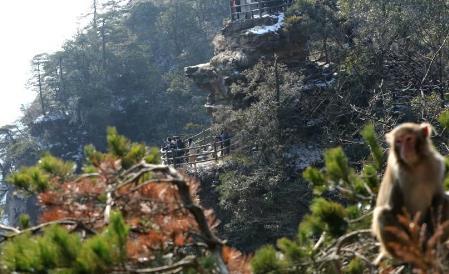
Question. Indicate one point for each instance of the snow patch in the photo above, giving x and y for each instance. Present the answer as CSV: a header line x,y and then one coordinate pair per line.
x,y
266,29
302,156
256,16
50,117
319,84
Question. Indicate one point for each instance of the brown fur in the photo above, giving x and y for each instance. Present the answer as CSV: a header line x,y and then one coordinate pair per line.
x,y
413,181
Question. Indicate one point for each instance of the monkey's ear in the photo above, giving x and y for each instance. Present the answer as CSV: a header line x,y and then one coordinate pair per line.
x,y
389,137
426,129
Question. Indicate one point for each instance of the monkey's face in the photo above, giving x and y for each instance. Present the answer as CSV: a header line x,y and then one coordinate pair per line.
x,y
409,142
405,146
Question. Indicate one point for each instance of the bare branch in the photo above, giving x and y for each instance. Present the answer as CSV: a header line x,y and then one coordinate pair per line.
x,y
9,228
34,229
174,268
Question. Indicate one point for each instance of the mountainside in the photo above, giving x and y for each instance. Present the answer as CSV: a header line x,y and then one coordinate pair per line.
x,y
287,102
291,85
124,69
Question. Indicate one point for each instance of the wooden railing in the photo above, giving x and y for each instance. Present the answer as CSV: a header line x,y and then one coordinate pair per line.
x,y
196,154
250,9
202,138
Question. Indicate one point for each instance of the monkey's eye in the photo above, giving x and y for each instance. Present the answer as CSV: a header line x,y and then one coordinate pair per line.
x,y
408,139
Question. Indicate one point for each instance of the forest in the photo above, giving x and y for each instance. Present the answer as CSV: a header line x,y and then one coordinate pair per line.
x,y
119,164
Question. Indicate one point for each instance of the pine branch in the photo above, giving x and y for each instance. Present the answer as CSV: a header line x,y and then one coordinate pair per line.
x,y
37,228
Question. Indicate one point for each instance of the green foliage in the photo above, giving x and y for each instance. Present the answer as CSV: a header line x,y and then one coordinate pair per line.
x,y
118,145
67,244
93,156
292,251
337,166
331,214
118,233
20,254
337,171
99,253
356,266
310,228
316,177
58,250
443,119
329,219
266,261
56,167
17,148
371,176
252,197
431,104
130,153
127,72
353,211
136,83
358,186
338,174
135,153
255,184
38,178
53,249
24,221
369,135
153,156
95,256
30,179
318,21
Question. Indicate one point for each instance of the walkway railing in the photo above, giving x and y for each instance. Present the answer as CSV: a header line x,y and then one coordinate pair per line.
x,y
202,138
250,9
209,152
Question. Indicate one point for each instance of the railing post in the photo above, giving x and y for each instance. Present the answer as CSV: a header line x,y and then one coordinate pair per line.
x,y
251,10
227,145
230,10
222,149
174,157
215,151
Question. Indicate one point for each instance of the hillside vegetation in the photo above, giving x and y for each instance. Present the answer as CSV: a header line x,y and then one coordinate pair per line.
x,y
299,194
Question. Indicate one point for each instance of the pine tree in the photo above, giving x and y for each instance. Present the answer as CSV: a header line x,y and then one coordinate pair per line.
x,y
126,213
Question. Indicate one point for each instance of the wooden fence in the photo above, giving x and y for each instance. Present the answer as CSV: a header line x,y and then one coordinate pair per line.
x,y
199,153
202,138
250,9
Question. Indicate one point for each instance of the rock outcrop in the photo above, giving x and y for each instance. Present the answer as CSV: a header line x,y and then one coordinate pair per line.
x,y
240,45
17,203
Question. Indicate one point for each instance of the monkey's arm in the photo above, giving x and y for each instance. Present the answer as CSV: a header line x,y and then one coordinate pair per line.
x,y
390,193
386,216
396,201
440,206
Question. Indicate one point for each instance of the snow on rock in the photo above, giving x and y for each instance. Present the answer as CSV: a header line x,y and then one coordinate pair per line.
x,y
259,30
264,16
50,117
304,155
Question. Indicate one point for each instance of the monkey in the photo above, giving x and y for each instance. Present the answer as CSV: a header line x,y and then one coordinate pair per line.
x,y
413,181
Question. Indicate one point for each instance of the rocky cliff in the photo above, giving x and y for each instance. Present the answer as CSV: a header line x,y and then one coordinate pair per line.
x,y
256,200
241,44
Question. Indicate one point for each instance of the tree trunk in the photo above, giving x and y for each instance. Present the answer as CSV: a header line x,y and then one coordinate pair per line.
x,y
41,96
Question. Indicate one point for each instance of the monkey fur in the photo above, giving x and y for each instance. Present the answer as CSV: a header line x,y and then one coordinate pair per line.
x,y
413,181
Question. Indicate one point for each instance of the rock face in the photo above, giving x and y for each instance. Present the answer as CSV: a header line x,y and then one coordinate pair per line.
x,y
301,156
238,46
18,204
